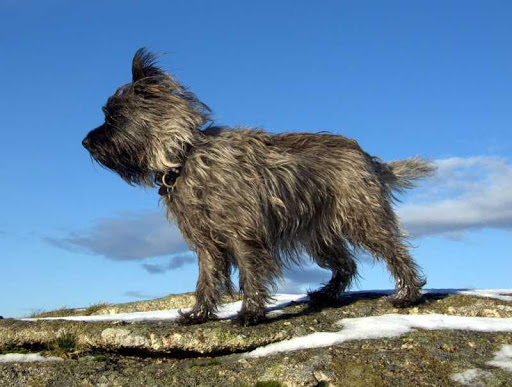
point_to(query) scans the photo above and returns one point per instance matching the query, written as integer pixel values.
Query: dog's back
(283, 188)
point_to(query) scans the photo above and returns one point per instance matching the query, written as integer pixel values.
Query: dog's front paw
(404, 302)
(405, 298)
(247, 318)
(194, 317)
(322, 298)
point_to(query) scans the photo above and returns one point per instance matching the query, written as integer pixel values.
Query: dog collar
(167, 180)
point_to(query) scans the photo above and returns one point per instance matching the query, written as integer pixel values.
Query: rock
(211, 354)
(490, 313)
(321, 377)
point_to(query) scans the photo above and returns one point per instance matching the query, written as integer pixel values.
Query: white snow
(503, 358)
(225, 311)
(26, 358)
(373, 327)
(499, 294)
(390, 325)
(279, 301)
(469, 375)
(275, 313)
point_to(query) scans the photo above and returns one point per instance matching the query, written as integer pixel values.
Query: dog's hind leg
(338, 258)
(211, 283)
(384, 239)
(257, 272)
(406, 273)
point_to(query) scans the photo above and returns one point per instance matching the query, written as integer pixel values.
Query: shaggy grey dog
(256, 201)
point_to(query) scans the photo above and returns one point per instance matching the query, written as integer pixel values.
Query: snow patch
(377, 327)
(226, 311)
(469, 375)
(498, 294)
(280, 301)
(26, 358)
(503, 358)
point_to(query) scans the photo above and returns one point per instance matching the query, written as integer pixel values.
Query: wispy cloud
(128, 237)
(174, 262)
(139, 295)
(300, 279)
(466, 194)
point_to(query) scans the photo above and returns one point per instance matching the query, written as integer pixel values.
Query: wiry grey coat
(256, 201)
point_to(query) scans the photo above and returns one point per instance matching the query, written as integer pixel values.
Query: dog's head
(149, 124)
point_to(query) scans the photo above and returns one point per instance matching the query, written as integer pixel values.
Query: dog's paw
(404, 302)
(321, 298)
(194, 317)
(247, 318)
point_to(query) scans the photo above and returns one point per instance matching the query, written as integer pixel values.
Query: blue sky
(403, 78)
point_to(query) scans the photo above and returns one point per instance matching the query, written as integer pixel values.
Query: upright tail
(400, 175)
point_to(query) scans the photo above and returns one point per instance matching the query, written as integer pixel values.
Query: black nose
(86, 142)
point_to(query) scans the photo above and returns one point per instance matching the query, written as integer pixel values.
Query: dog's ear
(143, 66)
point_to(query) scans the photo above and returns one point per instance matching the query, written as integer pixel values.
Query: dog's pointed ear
(144, 66)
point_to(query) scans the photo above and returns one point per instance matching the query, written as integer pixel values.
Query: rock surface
(165, 354)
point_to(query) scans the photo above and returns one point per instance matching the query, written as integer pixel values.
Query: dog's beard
(127, 161)
(129, 173)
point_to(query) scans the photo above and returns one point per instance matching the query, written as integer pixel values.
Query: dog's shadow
(344, 301)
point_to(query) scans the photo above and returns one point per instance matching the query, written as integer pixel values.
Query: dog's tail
(401, 175)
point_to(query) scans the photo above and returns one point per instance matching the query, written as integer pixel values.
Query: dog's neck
(166, 179)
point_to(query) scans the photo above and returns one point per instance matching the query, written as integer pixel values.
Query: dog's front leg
(208, 288)
(257, 270)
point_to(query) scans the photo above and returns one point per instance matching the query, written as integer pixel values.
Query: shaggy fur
(256, 201)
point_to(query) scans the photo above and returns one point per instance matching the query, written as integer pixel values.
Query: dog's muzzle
(86, 143)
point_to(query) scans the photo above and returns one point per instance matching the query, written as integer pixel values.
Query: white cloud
(174, 262)
(137, 294)
(466, 194)
(130, 236)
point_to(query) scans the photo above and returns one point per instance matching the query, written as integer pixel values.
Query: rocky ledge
(342, 345)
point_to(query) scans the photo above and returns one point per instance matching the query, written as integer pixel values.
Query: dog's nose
(86, 142)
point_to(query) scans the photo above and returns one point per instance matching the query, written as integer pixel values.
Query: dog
(256, 201)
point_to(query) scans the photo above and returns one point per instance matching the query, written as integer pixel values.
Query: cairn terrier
(256, 201)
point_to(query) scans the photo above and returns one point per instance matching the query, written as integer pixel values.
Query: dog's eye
(109, 118)
(105, 112)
